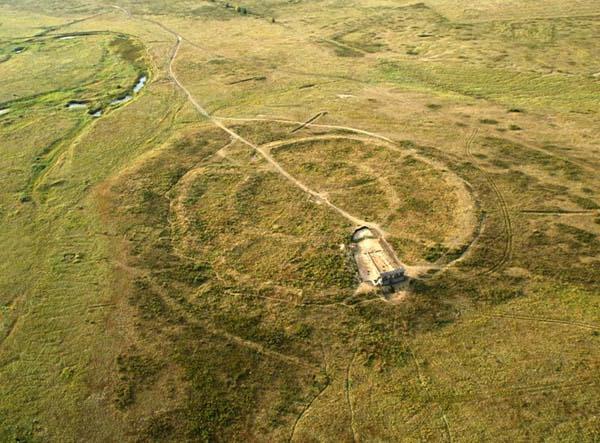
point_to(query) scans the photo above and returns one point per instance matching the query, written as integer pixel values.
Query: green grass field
(174, 256)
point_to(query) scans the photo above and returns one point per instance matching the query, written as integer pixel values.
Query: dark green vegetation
(160, 280)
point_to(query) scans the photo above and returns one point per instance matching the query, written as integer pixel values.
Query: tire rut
(501, 394)
(558, 212)
(211, 329)
(545, 320)
(347, 384)
(503, 206)
(430, 397)
(307, 407)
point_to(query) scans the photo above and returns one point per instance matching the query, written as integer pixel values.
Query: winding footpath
(355, 221)
(319, 197)
(264, 150)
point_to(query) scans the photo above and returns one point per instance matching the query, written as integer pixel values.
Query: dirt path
(123, 10)
(355, 221)
(316, 125)
(277, 143)
(389, 143)
(469, 234)
(319, 197)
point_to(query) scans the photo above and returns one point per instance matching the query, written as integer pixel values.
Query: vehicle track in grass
(560, 212)
(341, 45)
(306, 410)
(519, 317)
(502, 393)
(423, 384)
(347, 387)
(574, 161)
(208, 326)
(52, 29)
(507, 250)
(309, 405)
(520, 391)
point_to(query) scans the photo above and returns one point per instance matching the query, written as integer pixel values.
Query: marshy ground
(179, 185)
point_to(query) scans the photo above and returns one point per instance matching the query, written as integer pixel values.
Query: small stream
(140, 84)
(98, 112)
(137, 88)
(74, 104)
(118, 101)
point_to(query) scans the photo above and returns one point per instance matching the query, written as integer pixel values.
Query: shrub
(436, 252)
(488, 121)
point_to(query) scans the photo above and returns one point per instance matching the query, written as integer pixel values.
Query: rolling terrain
(180, 182)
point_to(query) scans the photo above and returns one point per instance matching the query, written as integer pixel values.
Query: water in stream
(118, 101)
(138, 86)
(76, 105)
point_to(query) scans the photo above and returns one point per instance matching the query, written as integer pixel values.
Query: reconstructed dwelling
(376, 264)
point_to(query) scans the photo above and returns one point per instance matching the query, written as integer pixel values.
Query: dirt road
(356, 221)
(265, 151)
